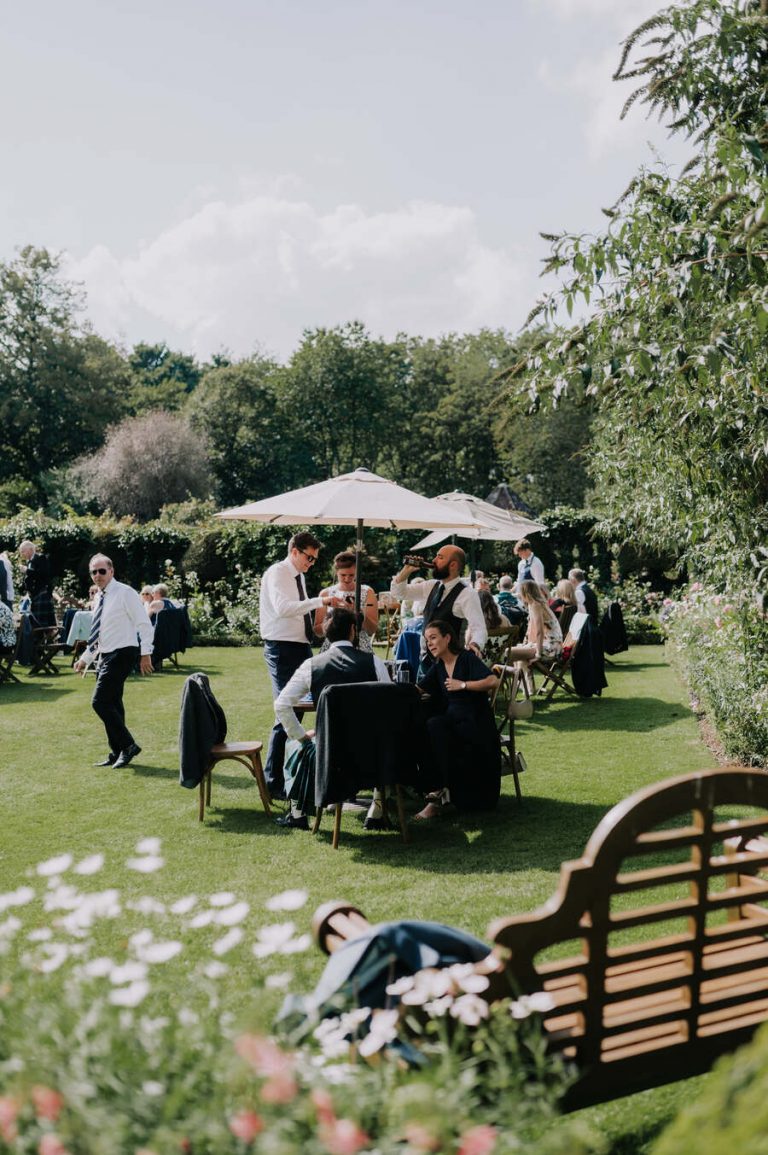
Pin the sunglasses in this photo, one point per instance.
(99, 571)
(311, 557)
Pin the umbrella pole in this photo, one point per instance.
(358, 566)
(472, 561)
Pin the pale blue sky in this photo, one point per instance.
(223, 175)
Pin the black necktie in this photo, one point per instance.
(93, 637)
(309, 629)
(439, 591)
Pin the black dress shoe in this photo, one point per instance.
(126, 756)
(375, 823)
(277, 795)
(293, 821)
(108, 761)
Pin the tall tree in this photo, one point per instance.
(252, 448)
(59, 386)
(675, 349)
(163, 379)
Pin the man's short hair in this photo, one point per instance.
(577, 575)
(345, 560)
(338, 626)
(100, 557)
(460, 556)
(523, 543)
(26, 544)
(161, 590)
(304, 540)
(505, 582)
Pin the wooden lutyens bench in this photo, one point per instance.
(654, 948)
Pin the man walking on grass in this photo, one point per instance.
(120, 629)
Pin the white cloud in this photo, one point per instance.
(255, 271)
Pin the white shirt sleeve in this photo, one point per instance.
(420, 592)
(382, 673)
(290, 696)
(284, 594)
(468, 606)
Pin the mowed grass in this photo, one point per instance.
(583, 756)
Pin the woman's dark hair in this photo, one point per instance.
(490, 608)
(447, 630)
(338, 627)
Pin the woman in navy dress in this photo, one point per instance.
(462, 733)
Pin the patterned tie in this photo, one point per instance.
(309, 629)
(93, 637)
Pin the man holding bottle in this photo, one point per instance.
(448, 597)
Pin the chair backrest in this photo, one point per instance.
(367, 735)
(660, 862)
(565, 618)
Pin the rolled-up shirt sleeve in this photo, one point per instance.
(284, 595)
(469, 607)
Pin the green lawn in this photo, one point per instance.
(583, 756)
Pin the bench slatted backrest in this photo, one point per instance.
(669, 962)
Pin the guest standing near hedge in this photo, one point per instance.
(37, 583)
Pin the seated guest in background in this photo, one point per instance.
(586, 598)
(494, 618)
(147, 595)
(6, 580)
(345, 567)
(509, 605)
(7, 629)
(341, 663)
(464, 743)
(482, 583)
(544, 637)
(37, 584)
(562, 595)
(448, 598)
(529, 568)
(160, 594)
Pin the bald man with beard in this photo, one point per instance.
(449, 597)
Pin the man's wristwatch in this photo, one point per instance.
(463, 685)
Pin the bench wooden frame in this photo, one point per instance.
(638, 1014)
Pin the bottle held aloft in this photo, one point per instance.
(417, 561)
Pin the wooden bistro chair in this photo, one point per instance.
(517, 708)
(202, 719)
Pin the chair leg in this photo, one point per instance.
(208, 787)
(336, 827)
(318, 819)
(401, 814)
(205, 782)
(258, 774)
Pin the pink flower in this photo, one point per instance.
(9, 1110)
(342, 1137)
(420, 1138)
(479, 1140)
(47, 1103)
(51, 1144)
(264, 1055)
(246, 1125)
(323, 1104)
(280, 1088)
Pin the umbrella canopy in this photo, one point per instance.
(487, 522)
(358, 498)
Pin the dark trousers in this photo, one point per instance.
(283, 660)
(107, 698)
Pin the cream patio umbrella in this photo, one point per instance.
(359, 498)
(489, 523)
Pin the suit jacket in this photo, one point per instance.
(588, 665)
(613, 630)
(367, 735)
(202, 725)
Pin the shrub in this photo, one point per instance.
(721, 647)
(102, 1051)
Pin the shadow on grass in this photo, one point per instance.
(30, 691)
(628, 714)
(543, 832)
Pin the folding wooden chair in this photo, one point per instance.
(9, 659)
(500, 642)
(45, 647)
(512, 761)
(555, 670)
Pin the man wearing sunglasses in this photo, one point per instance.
(120, 629)
(286, 623)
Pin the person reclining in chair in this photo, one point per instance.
(341, 663)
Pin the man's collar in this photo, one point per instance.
(297, 572)
(343, 642)
(449, 583)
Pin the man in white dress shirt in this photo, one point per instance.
(120, 629)
(529, 567)
(286, 622)
(447, 597)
